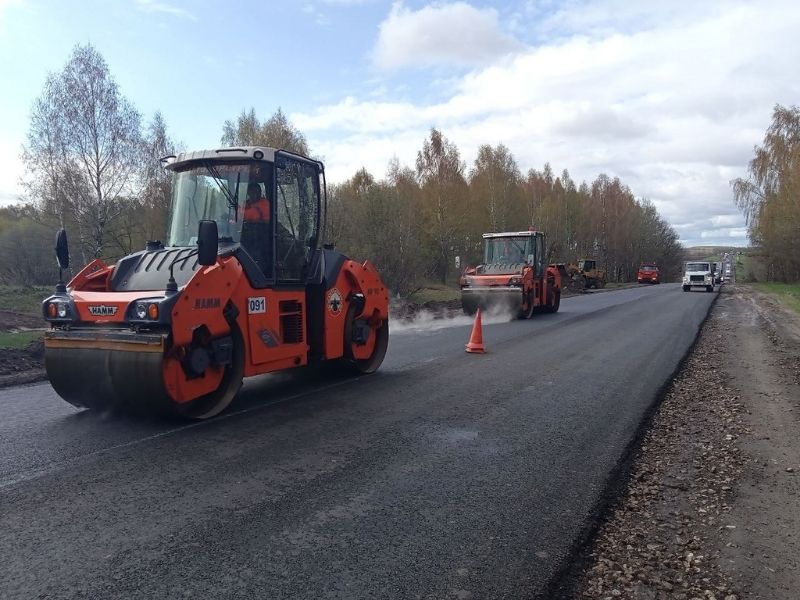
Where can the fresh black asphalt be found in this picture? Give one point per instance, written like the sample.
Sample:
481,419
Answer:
443,475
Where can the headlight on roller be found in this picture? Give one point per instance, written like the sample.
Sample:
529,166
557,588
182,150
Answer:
141,311
57,309
144,310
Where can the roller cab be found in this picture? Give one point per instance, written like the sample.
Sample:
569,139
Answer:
241,287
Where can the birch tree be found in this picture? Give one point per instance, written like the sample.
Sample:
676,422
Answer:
275,132
440,173
84,148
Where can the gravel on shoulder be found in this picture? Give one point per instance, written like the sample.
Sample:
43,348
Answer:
709,509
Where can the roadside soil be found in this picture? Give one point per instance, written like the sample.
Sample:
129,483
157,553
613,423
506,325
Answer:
709,508
21,365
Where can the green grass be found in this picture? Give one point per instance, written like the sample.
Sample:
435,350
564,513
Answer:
436,293
787,294
18,340
23,299
614,284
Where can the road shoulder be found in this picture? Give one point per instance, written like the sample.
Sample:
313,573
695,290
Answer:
709,509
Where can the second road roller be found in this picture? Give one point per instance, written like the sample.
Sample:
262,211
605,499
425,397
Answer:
513,276
241,286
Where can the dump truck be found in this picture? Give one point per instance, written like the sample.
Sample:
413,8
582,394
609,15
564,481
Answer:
513,276
587,273
648,273
242,286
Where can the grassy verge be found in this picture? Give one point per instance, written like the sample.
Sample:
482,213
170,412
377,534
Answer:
18,340
435,293
787,294
23,299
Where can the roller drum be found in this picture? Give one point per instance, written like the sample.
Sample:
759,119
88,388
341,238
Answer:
102,376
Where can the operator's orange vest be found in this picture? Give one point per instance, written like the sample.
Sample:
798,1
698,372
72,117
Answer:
257,211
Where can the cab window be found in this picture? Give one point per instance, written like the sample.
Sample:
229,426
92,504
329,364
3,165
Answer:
297,211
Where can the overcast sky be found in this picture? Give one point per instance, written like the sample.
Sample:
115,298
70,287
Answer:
669,96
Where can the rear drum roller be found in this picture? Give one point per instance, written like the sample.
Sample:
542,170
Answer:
377,342
553,300
214,403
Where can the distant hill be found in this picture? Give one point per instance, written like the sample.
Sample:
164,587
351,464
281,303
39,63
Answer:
712,252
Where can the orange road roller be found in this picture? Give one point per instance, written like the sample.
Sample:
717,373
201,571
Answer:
242,286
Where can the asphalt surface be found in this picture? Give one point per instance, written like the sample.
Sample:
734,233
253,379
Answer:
443,475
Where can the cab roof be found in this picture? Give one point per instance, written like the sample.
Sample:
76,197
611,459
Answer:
232,154
511,234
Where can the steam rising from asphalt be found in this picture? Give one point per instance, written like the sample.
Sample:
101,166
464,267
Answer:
426,320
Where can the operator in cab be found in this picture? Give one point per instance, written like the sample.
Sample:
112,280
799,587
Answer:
257,207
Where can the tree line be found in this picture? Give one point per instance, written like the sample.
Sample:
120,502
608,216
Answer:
92,166
770,196
416,221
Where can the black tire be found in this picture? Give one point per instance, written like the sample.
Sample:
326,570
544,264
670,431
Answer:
214,403
686,288
709,288
365,365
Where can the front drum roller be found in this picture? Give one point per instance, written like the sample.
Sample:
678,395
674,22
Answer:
215,402
119,377
364,345
105,379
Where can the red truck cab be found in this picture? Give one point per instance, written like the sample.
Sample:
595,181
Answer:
648,273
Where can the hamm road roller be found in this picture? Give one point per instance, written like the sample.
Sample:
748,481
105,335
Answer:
513,276
241,286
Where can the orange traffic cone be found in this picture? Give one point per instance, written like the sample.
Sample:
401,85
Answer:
476,339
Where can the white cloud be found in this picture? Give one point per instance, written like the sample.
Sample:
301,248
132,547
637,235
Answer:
319,17
153,6
440,34
726,220
674,108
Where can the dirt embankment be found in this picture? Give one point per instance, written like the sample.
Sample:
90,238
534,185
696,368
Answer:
710,508
25,364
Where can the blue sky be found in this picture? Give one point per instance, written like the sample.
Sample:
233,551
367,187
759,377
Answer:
670,97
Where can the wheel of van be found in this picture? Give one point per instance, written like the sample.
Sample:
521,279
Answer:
686,288
709,288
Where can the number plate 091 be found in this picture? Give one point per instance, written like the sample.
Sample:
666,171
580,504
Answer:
256,305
